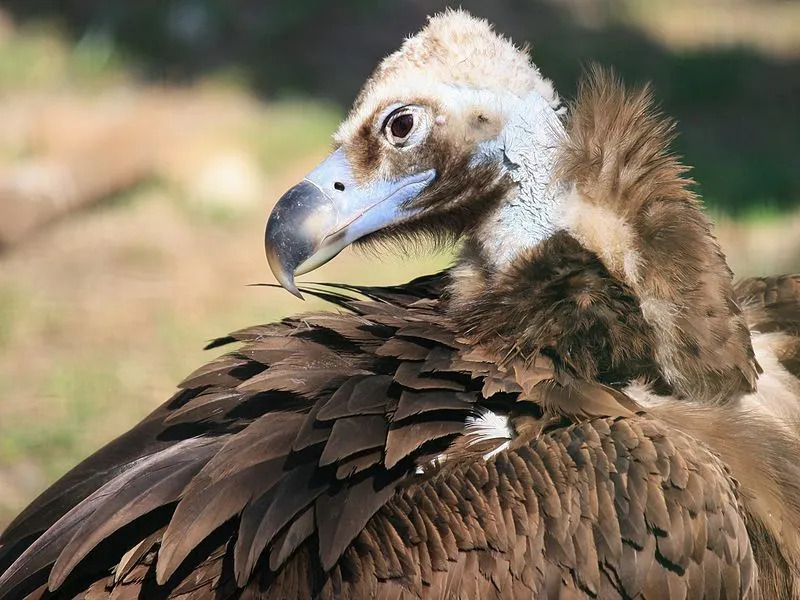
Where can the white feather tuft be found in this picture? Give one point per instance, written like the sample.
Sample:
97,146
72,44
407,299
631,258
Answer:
489,426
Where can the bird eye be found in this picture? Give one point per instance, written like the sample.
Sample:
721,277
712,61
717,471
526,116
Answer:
398,127
402,125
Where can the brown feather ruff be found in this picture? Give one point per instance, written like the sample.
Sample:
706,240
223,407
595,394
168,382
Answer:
560,301
659,243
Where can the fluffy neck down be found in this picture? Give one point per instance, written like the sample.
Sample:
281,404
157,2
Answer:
622,278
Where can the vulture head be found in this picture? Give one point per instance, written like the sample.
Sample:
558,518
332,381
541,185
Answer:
582,238
454,134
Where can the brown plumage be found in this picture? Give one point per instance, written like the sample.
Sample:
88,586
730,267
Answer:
617,156
593,503
587,419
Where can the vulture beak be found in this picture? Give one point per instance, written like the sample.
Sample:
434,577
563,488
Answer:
328,211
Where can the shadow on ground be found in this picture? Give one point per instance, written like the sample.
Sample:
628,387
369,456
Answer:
737,108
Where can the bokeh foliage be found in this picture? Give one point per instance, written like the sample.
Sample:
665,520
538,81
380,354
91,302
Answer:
737,108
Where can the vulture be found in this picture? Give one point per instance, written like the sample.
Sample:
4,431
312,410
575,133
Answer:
583,406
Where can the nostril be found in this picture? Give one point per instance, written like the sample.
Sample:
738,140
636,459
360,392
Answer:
339,186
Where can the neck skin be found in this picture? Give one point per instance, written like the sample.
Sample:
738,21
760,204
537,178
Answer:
527,148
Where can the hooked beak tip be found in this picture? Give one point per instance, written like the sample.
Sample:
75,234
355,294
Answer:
284,275
288,240
292,289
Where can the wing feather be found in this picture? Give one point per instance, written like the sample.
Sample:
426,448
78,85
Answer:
247,466
139,496
42,553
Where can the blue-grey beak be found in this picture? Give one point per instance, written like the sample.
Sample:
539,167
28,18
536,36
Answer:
328,211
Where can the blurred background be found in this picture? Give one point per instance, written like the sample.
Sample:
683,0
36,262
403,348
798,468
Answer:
143,143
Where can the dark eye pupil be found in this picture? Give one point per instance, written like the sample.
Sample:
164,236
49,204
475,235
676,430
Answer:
401,125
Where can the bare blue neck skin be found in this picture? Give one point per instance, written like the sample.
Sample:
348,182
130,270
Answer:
527,148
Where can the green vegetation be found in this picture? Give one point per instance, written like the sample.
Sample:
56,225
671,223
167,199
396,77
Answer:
291,130
40,57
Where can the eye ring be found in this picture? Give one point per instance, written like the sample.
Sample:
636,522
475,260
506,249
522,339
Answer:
401,125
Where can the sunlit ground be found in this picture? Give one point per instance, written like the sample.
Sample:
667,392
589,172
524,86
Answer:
102,313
